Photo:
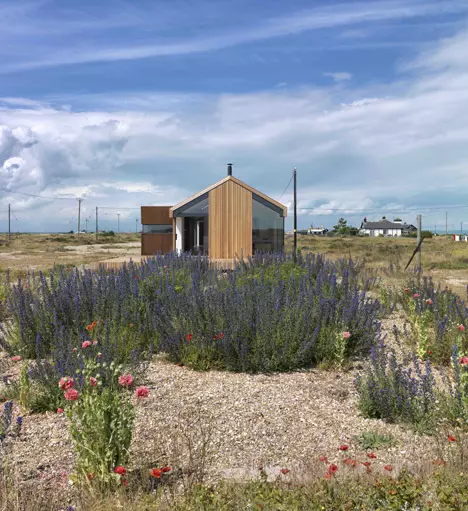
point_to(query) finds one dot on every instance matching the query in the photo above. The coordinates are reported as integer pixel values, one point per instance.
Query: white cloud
(338, 15)
(386, 146)
(342, 76)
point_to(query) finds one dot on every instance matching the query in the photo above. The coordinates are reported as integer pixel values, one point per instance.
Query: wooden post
(446, 223)
(96, 223)
(9, 222)
(79, 215)
(419, 237)
(295, 213)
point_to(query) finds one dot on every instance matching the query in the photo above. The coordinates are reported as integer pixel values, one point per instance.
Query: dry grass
(27, 252)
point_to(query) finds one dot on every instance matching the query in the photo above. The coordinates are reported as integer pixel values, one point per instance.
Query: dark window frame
(182, 211)
(169, 229)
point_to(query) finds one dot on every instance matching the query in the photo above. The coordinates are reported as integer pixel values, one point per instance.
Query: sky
(128, 103)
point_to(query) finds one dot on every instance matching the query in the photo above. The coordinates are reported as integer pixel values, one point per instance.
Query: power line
(37, 196)
(287, 186)
(383, 208)
(117, 209)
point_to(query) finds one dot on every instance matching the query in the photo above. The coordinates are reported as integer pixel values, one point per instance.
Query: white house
(320, 231)
(385, 228)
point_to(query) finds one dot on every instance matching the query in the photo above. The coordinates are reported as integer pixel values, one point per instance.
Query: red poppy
(343, 447)
(284, 470)
(464, 360)
(215, 337)
(388, 468)
(451, 438)
(59, 410)
(429, 301)
(429, 352)
(93, 382)
(350, 461)
(86, 344)
(461, 328)
(221, 335)
(16, 358)
(155, 472)
(324, 459)
(126, 380)
(94, 324)
(366, 463)
(120, 470)
(166, 469)
(327, 475)
(89, 327)
(332, 468)
(71, 395)
(90, 477)
(142, 392)
(189, 337)
(371, 455)
(124, 482)
(66, 383)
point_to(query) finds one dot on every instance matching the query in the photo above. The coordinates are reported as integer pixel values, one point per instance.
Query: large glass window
(157, 229)
(267, 226)
(196, 208)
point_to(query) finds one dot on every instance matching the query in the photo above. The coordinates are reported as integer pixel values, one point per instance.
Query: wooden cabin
(229, 220)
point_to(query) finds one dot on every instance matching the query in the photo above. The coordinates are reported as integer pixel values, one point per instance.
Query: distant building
(318, 231)
(386, 228)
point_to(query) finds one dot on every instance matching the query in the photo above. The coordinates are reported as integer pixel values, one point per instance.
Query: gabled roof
(381, 224)
(219, 183)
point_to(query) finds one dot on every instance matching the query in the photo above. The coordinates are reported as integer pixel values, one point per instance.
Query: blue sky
(144, 102)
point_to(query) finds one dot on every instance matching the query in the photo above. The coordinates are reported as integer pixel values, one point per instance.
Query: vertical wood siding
(230, 221)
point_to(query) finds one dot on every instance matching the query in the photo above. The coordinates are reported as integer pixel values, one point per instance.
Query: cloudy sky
(139, 102)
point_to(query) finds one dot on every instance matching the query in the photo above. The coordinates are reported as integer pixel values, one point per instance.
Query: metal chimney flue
(229, 169)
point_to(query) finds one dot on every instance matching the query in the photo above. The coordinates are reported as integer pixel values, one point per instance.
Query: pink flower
(59, 410)
(74, 350)
(66, 383)
(93, 381)
(86, 344)
(464, 360)
(429, 301)
(416, 295)
(99, 355)
(126, 380)
(346, 335)
(461, 328)
(16, 358)
(324, 459)
(94, 342)
(71, 395)
(142, 392)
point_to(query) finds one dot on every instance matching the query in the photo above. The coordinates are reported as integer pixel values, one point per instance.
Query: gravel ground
(277, 421)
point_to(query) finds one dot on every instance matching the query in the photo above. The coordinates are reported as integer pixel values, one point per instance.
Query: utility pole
(446, 223)
(461, 227)
(295, 212)
(418, 255)
(136, 225)
(86, 223)
(118, 223)
(96, 223)
(80, 200)
(9, 222)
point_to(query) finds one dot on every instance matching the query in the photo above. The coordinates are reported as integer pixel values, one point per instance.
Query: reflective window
(195, 208)
(267, 226)
(157, 229)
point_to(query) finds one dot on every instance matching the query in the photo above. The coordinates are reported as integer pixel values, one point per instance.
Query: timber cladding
(159, 215)
(230, 221)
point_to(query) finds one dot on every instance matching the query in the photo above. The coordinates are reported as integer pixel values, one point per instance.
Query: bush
(393, 392)
(101, 421)
(270, 314)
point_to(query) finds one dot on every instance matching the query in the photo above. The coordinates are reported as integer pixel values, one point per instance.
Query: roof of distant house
(383, 224)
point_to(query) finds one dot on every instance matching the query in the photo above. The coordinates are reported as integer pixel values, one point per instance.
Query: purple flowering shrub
(397, 391)
(270, 314)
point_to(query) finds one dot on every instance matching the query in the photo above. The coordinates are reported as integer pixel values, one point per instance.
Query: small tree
(341, 227)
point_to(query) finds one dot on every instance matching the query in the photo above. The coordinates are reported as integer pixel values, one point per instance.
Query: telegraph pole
(446, 223)
(461, 227)
(418, 255)
(118, 223)
(80, 200)
(136, 225)
(295, 212)
(96, 223)
(9, 222)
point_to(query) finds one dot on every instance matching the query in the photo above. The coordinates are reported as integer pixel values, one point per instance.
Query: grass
(375, 440)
